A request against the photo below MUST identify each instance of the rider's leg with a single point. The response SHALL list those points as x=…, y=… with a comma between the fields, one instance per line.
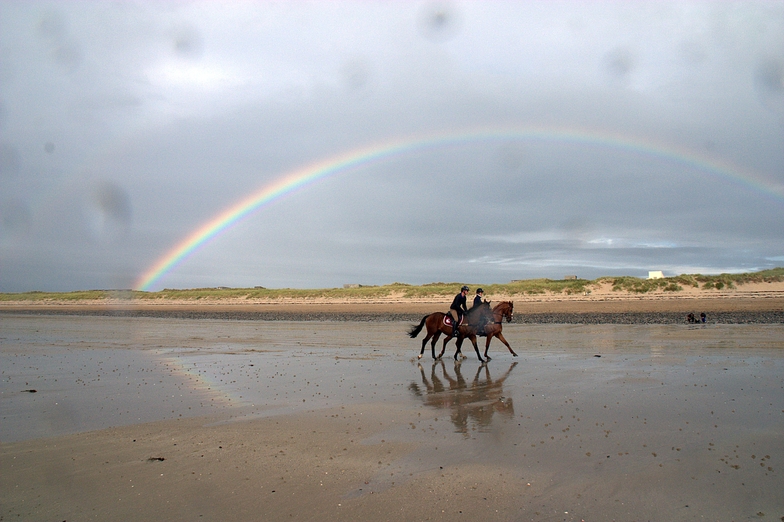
x=455, y=320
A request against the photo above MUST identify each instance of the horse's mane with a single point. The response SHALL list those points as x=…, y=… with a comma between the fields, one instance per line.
x=474, y=310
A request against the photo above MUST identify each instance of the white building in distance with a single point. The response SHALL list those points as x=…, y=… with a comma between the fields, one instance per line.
x=655, y=274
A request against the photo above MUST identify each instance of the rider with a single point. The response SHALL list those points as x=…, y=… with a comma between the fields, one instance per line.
x=458, y=308
x=478, y=297
x=477, y=302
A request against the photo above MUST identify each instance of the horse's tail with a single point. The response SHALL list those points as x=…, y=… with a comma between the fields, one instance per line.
x=415, y=329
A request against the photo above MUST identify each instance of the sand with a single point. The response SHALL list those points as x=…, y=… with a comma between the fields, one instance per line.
x=140, y=418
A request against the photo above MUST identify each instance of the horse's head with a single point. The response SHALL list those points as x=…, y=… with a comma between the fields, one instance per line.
x=506, y=309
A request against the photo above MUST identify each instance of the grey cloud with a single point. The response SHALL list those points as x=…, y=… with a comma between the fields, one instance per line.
x=167, y=116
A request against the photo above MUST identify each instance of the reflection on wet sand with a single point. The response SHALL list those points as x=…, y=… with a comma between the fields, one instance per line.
x=474, y=402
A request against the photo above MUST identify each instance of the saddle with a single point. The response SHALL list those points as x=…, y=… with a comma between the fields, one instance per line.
x=448, y=320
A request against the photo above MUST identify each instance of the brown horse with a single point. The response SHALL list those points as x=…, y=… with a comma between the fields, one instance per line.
x=501, y=311
x=468, y=328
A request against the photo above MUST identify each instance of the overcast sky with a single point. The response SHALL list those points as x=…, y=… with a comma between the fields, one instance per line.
x=626, y=137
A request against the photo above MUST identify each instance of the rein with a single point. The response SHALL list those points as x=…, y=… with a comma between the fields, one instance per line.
x=500, y=319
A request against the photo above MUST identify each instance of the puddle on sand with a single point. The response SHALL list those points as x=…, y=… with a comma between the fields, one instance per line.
x=604, y=411
x=53, y=391
x=569, y=421
x=90, y=373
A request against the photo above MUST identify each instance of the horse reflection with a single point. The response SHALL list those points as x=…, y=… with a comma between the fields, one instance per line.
x=472, y=404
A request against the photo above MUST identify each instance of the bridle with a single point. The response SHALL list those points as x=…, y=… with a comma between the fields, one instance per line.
x=507, y=314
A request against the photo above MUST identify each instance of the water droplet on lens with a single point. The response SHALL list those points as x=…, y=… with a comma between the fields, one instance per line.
x=15, y=218
x=619, y=63
x=10, y=160
x=108, y=211
x=769, y=82
x=355, y=75
x=512, y=157
x=440, y=22
x=188, y=43
x=52, y=25
x=68, y=55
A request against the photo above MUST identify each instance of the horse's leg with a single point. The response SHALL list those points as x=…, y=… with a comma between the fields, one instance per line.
x=501, y=336
x=487, y=343
x=424, y=342
x=446, y=340
x=458, y=346
x=476, y=348
x=433, y=345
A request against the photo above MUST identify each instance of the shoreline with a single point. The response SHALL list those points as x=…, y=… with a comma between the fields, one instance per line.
x=726, y=308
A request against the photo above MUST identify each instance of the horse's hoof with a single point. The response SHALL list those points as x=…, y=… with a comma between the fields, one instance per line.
x=419, y=356
x=514, y=355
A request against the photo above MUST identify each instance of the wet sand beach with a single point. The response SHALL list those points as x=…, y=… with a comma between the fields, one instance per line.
x=139, y=418
x=762, y=304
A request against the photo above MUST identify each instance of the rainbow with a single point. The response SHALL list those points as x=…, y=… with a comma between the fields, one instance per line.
x=377, y=152
x=190, y=372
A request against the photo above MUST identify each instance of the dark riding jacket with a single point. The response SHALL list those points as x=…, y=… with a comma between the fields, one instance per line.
x=459, y=303
x=477, y=300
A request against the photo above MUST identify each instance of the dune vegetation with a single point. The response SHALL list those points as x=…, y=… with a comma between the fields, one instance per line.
x=520, y=287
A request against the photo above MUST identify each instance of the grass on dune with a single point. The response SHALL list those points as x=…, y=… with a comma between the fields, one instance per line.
x=439, y=290
x=699, y=281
